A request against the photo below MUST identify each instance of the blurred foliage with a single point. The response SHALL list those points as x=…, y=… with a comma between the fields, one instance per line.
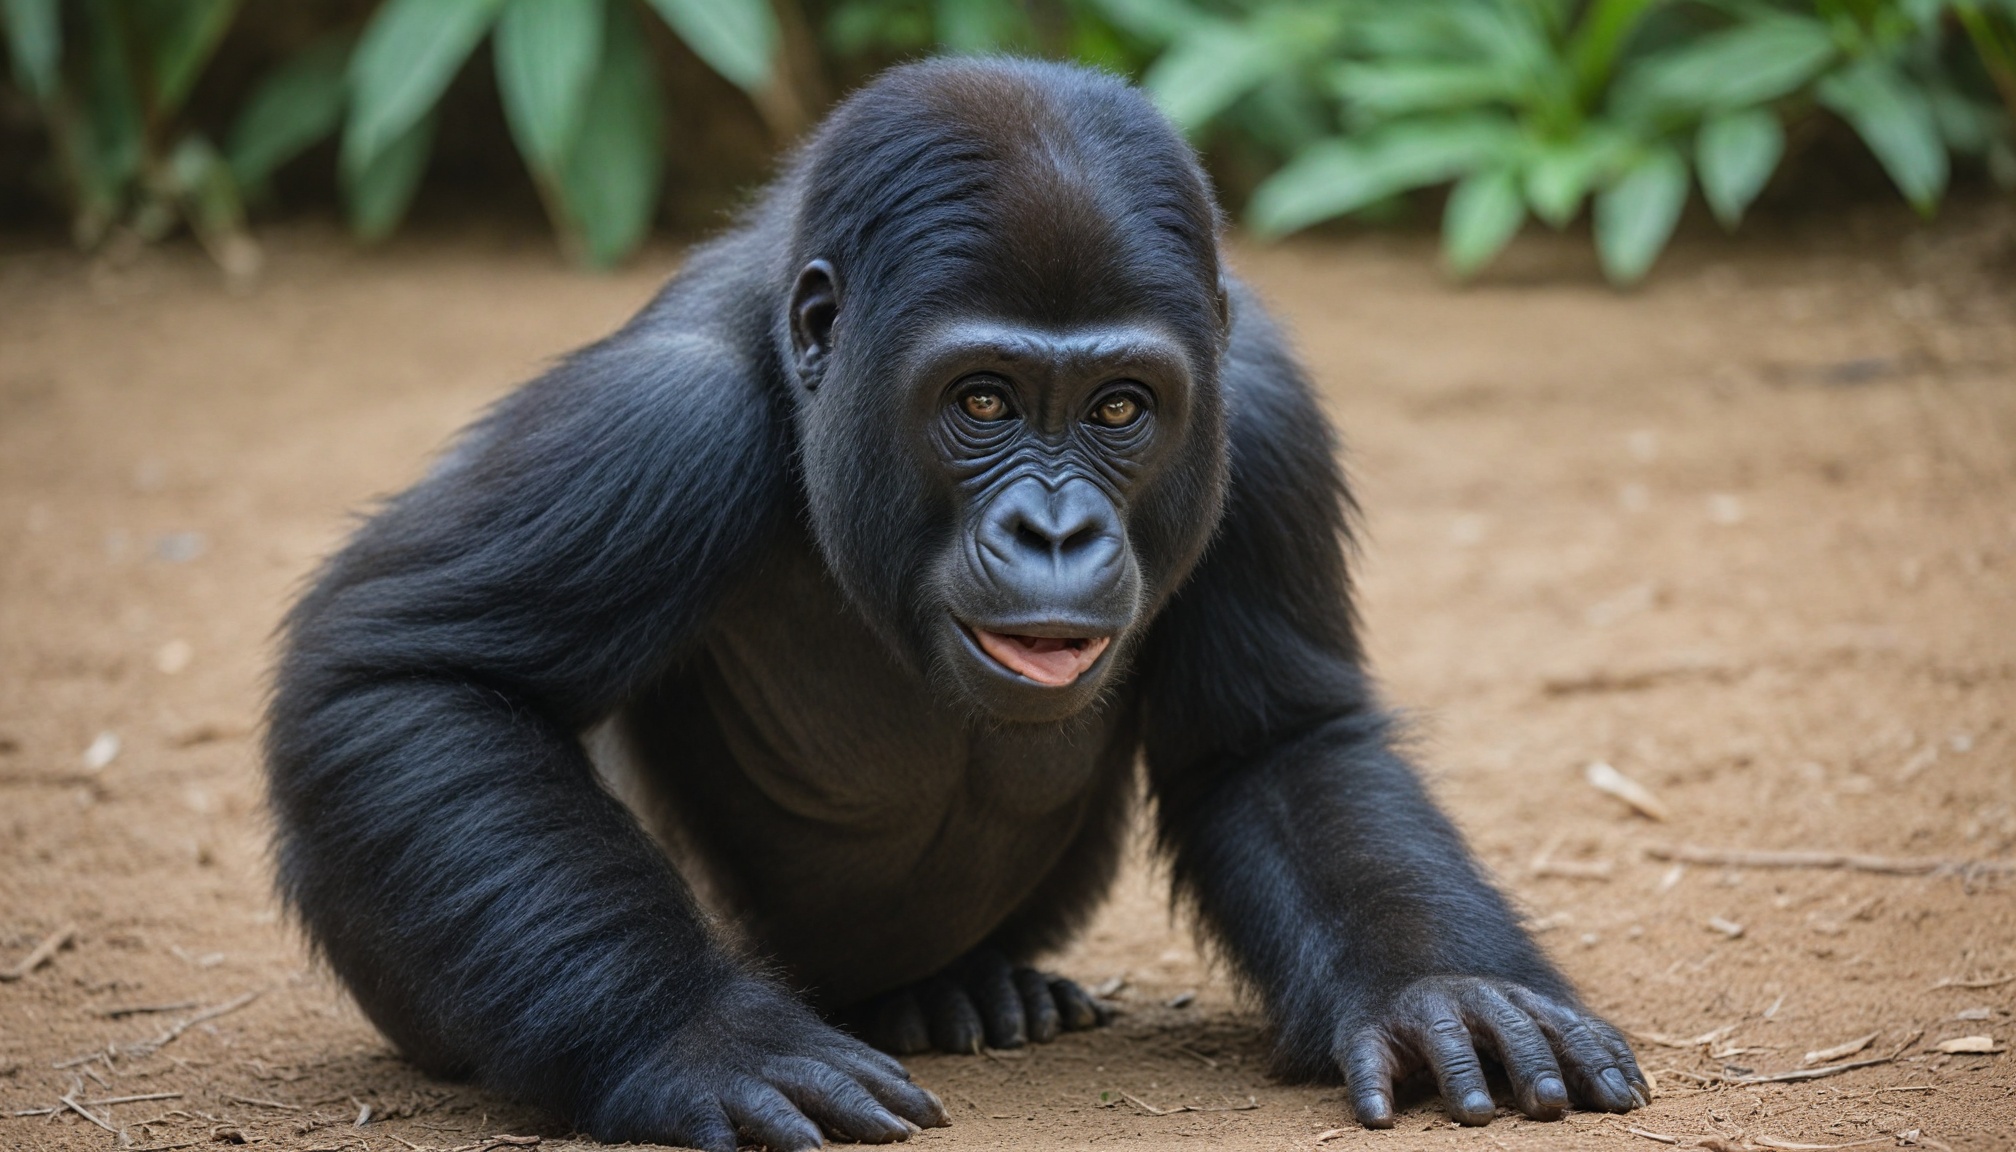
x=1545, y=106
x=1540, y=108
x=109, y=78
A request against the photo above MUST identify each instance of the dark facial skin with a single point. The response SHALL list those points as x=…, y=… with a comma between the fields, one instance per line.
x=950, y=499
x=1037, y=439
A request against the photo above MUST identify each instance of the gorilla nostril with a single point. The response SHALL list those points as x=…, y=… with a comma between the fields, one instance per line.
x=1032, y=538
x=1084, y=537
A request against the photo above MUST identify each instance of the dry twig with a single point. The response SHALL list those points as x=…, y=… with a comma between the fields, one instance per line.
x=1956, y=982
x=1152, y=1110
x=70, y=1101
x=256, y=1102
x=41, y=955
x=147, y=1048
x=144, y=1009
x=1851, y=861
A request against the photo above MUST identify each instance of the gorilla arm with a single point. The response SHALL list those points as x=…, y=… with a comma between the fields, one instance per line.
x=440, y=831
x=1310, y=847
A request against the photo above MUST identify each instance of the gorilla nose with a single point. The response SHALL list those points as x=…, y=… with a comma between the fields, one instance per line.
x=1057, y=546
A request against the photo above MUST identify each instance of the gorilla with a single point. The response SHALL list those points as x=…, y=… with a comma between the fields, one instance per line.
x=766, y=686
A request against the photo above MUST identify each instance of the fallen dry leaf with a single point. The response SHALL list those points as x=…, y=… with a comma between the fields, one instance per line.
x=1838, y=1051
x=1966, y=1045
x=1608, y=780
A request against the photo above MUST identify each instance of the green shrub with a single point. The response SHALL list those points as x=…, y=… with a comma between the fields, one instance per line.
x=1543, y=106
x=575, y=76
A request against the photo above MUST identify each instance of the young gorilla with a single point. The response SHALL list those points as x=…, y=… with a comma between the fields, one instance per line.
x=886, y=538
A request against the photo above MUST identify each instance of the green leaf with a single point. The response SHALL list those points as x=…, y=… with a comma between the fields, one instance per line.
x=1384, y=90
x=1749, y=64
x=1895, y=120
x=1636, y=215
x=1560, y=173
x=104, y=145
x=1207, y=70
x=1156, y=21
x=380, y=192
x=546, y=56
x=1599, y=34
x=737, y=38
x=295, y=106
x=35, y=41
x=1735, y=154
x=1338, y=176
x=409, y=53
x=1969, y=126
x=1483, y=214
x=611, y=179
x=179, y=37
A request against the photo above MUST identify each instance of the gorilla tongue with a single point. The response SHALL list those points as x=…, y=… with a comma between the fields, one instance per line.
x=1052, y=661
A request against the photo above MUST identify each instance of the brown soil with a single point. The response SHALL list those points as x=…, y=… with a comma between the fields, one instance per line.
x=1748, y=534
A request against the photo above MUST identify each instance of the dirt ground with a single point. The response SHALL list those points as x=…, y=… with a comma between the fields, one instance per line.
x=1748, y=535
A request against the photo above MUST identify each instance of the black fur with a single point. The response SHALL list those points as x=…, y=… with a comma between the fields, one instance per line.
x=751, y=547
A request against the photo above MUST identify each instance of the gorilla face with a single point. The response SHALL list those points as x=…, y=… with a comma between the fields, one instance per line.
x=1041, y=440
x=1029, y=493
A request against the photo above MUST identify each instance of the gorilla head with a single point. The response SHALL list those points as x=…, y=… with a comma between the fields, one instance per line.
x=1058, y=455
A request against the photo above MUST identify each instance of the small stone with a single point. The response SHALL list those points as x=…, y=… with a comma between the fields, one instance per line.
x=104, y=749
x=173, y=657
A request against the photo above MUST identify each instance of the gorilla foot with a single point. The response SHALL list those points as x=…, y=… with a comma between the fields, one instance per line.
x=980, y=999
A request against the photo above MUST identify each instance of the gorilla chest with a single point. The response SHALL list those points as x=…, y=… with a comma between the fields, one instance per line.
x=859, y=828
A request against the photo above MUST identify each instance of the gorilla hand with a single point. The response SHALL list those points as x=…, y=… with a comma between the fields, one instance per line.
x=981, y=997
x=755, y=1066
x=1554, y=1054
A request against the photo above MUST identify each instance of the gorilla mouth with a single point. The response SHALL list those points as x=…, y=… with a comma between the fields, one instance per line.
x=1052, y=661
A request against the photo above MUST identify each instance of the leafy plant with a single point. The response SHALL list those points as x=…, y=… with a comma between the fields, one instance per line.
x=110, y=84
x=579, y=92
x=1543, y=106
x=576, y=78
x=857, y=29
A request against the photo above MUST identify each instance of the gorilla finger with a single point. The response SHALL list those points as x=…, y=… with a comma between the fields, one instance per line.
x=1451, y=1054
x=1590, y=1065
x=1368, y=1065
x=686, y=1118
x=1524, y=1051
x=897, y=1024
x=918, y=1105
x=991, y=982
x=1078, y=1010
x=765, y=1116
x=953, y=1022
x=1589, y=1060
x=1627, y=1061
x=706, y=1127
x=837, y=1101
x=1039, y=1008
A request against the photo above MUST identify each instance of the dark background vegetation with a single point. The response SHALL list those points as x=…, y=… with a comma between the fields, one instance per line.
x=128, y=121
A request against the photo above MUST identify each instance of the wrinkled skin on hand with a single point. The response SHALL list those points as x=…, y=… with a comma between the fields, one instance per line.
x=983, y=997
x=757, y=1067
x=1555, y=1054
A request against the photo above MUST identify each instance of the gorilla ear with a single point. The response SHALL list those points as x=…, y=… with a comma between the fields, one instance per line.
x=815, y=302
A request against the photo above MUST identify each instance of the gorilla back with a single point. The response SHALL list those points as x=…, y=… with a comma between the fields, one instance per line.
x=877, y=550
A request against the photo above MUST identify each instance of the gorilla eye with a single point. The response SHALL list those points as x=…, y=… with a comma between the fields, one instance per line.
x=1117, y=410
x=984, y=404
